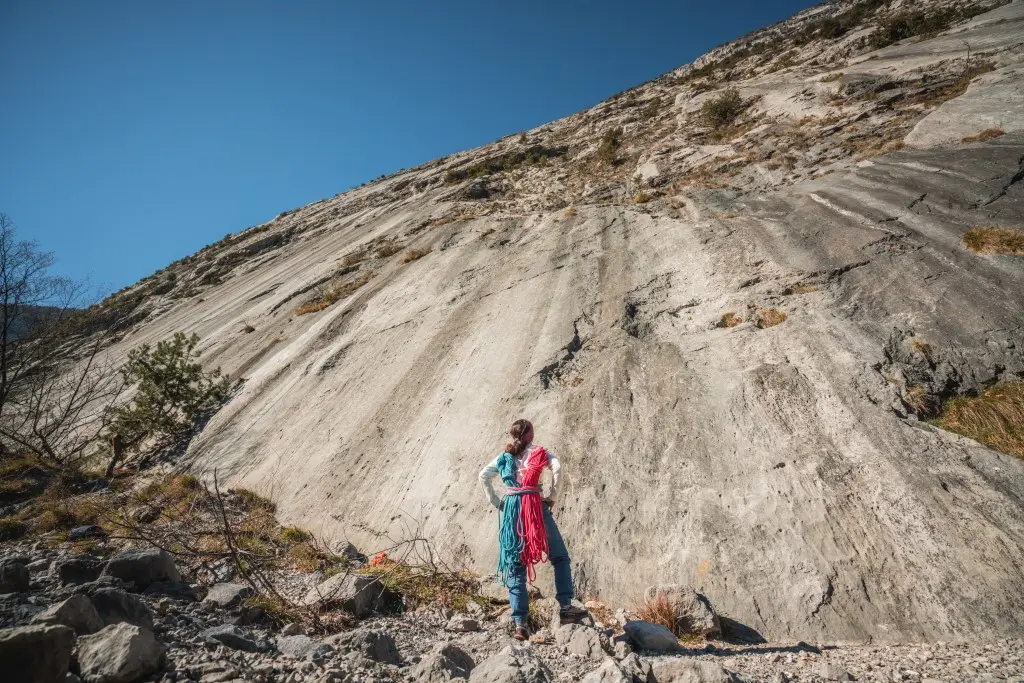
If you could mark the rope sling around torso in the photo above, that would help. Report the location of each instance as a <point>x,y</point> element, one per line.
<point>522,538</point>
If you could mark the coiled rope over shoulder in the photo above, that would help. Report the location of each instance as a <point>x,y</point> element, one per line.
<point>522,539</point>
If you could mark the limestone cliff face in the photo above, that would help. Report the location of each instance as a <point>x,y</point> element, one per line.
<point>577,275</point>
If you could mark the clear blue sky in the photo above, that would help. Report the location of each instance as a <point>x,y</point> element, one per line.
<point>134,133</point>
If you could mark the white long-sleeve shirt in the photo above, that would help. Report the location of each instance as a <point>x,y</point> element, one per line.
<point>488,474</point>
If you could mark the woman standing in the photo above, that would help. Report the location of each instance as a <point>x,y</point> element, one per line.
<point>527,530</point>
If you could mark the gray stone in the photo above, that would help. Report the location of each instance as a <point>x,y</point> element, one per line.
<point>231,636</point>
<point>77,570</point>
<point>514,664</point>
<point>644,635</point>
<point>373,644</point>
<point>608,672</point>
<point>580,640</point>
<point>460,623</point>
<point>621,648</point>
<point>693,611</point>
<point>445,662</point>
<point>685,670</point>
<point>115,605</point>
<point>36,654</point>
<point>81,533</point>
<point>14,576</point>
<point>121,653</point>
<point>831,672</point>
<point>228,594</point>
<point>77,612</point>
<point>143,567</point>
<point>302,647</point>
<point>293,629</point>
<point>39,566</point>
<point>355,593</point>
<point>638,668</point>
<point>171,589</point>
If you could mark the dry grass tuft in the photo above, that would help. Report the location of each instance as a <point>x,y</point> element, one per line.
<point>994,240</point>
<point>985,135</point>
<point>570,212</point>
<point>923,348</point>
<point>920,401</point>
<point>995,418</point>
<point>387,250</point>
<point>729,319</point>
<point>664,612</point>
<point>642,198</point>
<point>414,255</point>
<point>336,291</point>
<point>770,317</point>
<point>425,583</point>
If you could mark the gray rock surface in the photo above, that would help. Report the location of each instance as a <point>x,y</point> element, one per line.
<point>77,570</point>
<point>231,636</point>
<point>302,647</point>
<point>460,623</point>
<point>644,635</point>
<point>446,662</point>
<point>580,640</point>
<point>683,670</point>
<point>115,606</point>
<point>514,664</point>
<point>608,672</point>
<point>355,593</point>
<point>831,672</point>
<point>142,567</point>
<point>694,614</point>
<point>77,613</point>
<point>373,644</point>
<point>14,576</point>
<point>784,472</point>
<point>36,654</point>
<point>121,653</point>
<point>228,594</point>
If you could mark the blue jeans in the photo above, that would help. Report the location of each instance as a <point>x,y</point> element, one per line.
<point>559,556</point>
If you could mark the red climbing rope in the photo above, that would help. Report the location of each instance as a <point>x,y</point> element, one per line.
<point>531,516</point>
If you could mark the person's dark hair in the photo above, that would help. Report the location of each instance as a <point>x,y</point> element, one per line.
<point>520,431</point>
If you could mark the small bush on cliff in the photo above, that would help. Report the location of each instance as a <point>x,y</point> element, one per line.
<point>722,110</point>
<point>608,150</point>
<point>172,392</point>
<point>994,240</point>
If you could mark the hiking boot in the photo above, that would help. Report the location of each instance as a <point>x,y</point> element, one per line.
<point>522,632</point>
<point>571,614</point>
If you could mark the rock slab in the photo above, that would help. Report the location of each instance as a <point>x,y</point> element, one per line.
<point>514,664</point>
<point>445,662</point>
<point>36,654</point>
<point>14,576</point>
<point>77,613</point>
<point>122,653</point>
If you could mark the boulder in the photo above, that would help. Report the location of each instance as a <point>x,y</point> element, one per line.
<point>76,570</point>
<point>81,533</point>
<point>445,662</point>
<point>685,670</point>
<point>230,636</point>
<point>609,672</point>
<point>39,653</point>
<point>638,668</point>
<point>171,589</point>
<point>644,635</point>
<point>77,613</point>
<point>14,575</point>
<point>460,623</point>
<point>143,567</point>
<point>355,593</point>
<point>694,613</point>
<point>370,643</point>
<point>293,629</point>
<point>120,653</point>
<point>621,648</point>
<point>303,647</point>
<point>39,566</point>
<point>514,664</point>
<point>580,640</point>
<point>228,594</point>
<point>115,606</point>
<point>831,672</point>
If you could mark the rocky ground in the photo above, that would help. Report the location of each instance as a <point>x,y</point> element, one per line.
<point>132,618</point>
